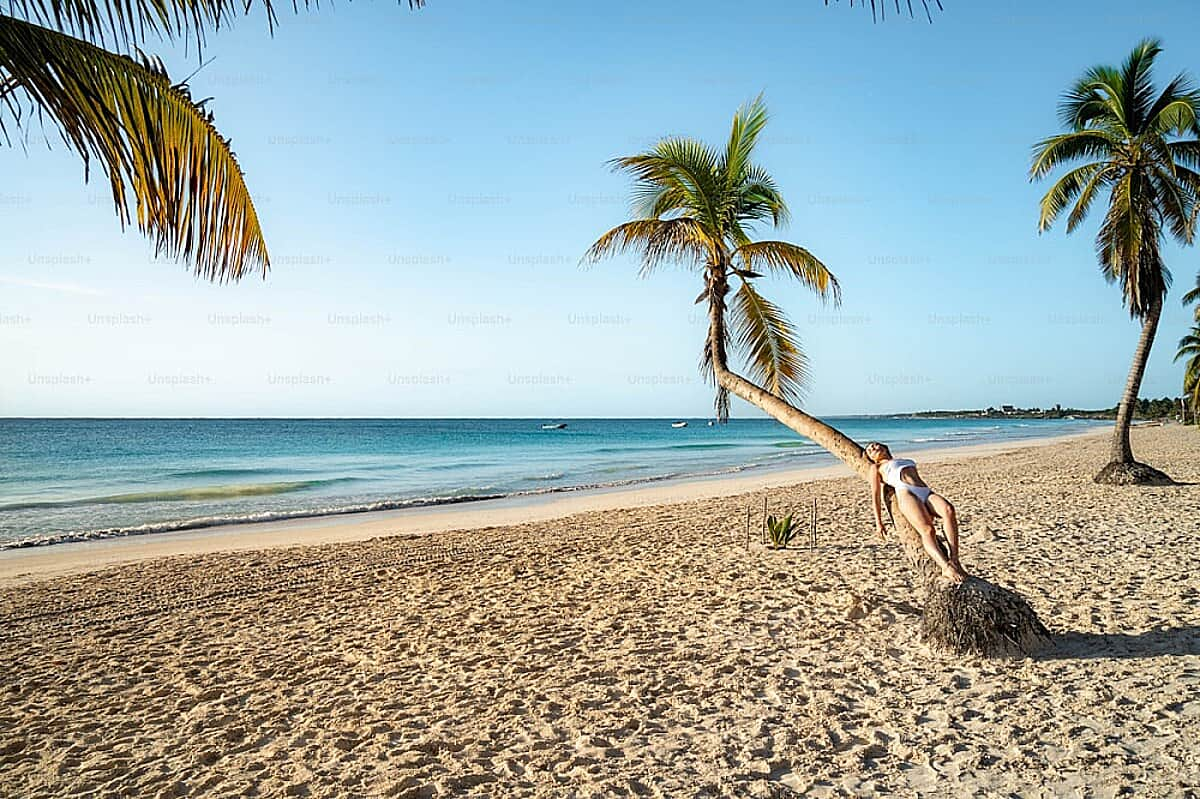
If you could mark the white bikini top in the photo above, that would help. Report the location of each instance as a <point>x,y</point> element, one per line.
<point>892,470</point>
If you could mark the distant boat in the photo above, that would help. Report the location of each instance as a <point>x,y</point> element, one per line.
<point>559,426</point>
<point>710,422</point>
<point>678,424</point>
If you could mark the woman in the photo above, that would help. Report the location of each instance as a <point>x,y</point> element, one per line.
<point>919,505</point>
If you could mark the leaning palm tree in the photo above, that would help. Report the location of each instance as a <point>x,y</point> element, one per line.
<point>157,146</point>
<point>699,207</point>
<point>1189,347</point>
<point>1139,146</point>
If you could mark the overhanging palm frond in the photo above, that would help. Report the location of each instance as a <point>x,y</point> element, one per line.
<point>766,339</point>
<point>658,241</point>
<point>127,23</point>
<point>150,138</point>
<point>793,261</point>
<point>879,7</point>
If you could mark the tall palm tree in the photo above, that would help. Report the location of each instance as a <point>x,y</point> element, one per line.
<point>698,206</point>
<point>1189,347</point>
<point>157,146</point>
<point>1139,146</point>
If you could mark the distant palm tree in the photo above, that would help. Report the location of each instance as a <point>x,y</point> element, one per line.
<point>1193,296</point>
<point>698,206</point>
<point>1139,146</point>
<point>1189,347</point>
<point>150,137</point>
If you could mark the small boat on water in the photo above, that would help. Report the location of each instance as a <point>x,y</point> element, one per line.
<point>559,426</point>
<point>678,424</point>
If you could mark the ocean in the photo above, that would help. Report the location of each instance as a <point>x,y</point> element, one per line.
<point>77,479</point>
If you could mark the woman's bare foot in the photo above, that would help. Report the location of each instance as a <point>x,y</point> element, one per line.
<point>954,573</point>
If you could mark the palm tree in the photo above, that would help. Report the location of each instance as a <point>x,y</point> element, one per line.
<point>1189,347</point>
<point>698,206</point>
<point>157,146</point>
<point>1138,145</point>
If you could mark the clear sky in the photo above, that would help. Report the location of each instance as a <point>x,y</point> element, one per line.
<point>429,180</point>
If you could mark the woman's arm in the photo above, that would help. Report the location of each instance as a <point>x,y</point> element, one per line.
<point>877,502</point>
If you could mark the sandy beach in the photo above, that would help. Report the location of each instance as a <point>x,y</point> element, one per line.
<point>622,648</point>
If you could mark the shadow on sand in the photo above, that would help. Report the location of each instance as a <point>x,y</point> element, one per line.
<point>1152,643</point>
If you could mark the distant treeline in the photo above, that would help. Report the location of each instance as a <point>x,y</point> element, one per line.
<point>1165,408</point>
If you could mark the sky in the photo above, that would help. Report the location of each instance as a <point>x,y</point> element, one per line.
<point>429,180</point>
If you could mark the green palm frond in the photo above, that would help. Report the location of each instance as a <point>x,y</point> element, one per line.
<point>152,140</point>
<point>879,8</point>
<point>128,23</point>
<point>1189,347</point>
<point>1067,188</point>
<point>687,167</point>
<point>767,341</point>
<point>759,198</point>
<point>748,123</point>
<point>1193,296</point>
<point>1056,151</point>
<point>791,260</point>
<point>658,241</point>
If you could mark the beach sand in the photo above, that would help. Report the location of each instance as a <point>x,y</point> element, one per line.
<point>629,651</point>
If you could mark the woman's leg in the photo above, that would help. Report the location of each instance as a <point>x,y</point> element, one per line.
<point>918,516</point>
<point>942,508</point>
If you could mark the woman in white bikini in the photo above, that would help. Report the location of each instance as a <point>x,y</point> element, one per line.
<point>919,505</point>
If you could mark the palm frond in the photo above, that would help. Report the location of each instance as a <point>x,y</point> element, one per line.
<point>151,139</point>
<point>1101,178</point>
<point>1137,84</point>
<point>794,261</point>
<point>765,338</point>
<point>1064,190</point>
<point>748,123</point>
<point>1065,148</point>
<point>1096,99</point>
<point>879,7</point>
<point>658,241</point>
<point>758,197</point>
<point>686,166</point>
<point>128,23</point>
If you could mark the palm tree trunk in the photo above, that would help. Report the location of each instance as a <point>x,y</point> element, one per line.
<point>1123,468</point>
<point>976,617</point>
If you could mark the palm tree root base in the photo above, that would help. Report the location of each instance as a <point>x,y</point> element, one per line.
<point>981,618</point>
<point>1127,473</point>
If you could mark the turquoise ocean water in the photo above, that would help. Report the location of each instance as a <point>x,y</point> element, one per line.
<point>75,479</point>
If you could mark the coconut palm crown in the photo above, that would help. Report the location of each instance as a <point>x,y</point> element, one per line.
<point>698,206</point>
<point>1137,147</point>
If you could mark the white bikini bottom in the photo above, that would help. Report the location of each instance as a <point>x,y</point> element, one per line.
<point>920,492</point>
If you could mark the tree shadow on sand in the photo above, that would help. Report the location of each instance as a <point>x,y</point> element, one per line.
<point>1149,644</point>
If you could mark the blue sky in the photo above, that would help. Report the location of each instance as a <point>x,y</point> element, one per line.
<point>429,180</point>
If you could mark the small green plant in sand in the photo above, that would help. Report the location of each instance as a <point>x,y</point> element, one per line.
<point>780,532</point>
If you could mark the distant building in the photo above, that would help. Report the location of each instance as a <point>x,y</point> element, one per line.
<point>1008,409</point>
